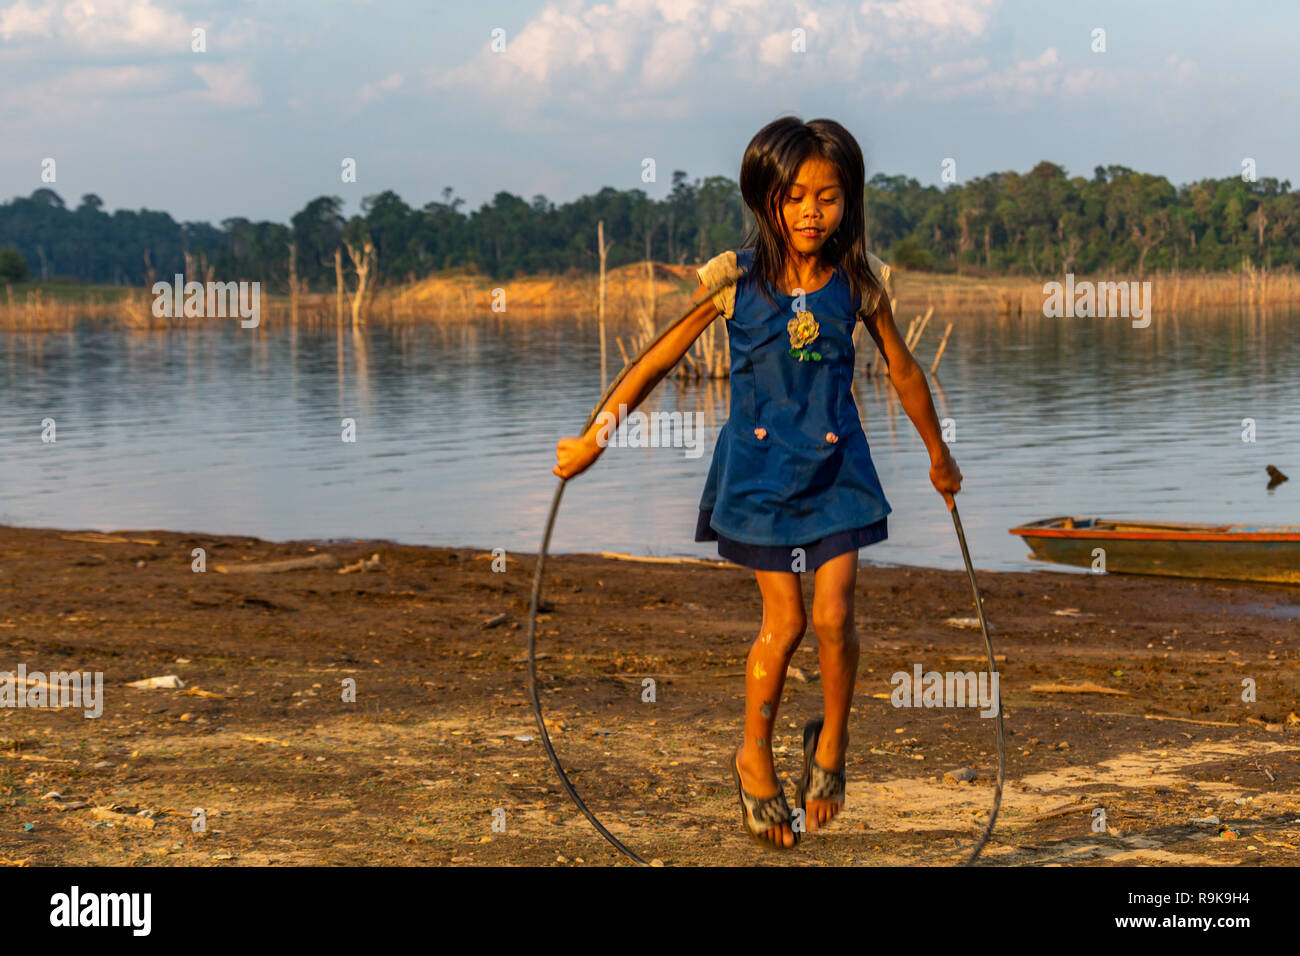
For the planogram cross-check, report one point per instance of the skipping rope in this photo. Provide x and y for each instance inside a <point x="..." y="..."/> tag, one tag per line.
<point x="535" y="600"/>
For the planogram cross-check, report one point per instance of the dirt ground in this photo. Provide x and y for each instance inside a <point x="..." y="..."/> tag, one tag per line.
<point x="440" y="735"/>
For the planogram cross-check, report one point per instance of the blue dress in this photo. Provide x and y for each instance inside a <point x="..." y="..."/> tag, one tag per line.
<point x="792" y="467"/>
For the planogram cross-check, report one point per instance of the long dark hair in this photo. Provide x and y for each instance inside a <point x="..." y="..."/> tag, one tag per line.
<point x="768" y="171"/>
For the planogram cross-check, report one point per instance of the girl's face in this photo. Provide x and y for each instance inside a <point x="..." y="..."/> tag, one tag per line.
<point x="813" y="207"/>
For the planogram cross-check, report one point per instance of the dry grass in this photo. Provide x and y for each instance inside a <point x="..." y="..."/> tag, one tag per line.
<point x="462" y="297"/>
<point x="1172" y="292"/>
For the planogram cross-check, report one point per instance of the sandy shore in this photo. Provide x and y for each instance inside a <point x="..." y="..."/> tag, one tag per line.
<point x="440" y="735"/>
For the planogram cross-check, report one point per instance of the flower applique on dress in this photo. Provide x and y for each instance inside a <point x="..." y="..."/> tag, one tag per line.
<point x="803" y="331"/>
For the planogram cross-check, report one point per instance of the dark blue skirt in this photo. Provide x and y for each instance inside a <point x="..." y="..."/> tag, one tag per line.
<point x="775" y="557"/>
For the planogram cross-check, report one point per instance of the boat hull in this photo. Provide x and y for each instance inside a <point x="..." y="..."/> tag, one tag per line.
<point x="1186" y="551"/>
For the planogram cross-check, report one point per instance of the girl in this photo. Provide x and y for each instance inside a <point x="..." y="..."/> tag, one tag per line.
<point x="792" y="486"/>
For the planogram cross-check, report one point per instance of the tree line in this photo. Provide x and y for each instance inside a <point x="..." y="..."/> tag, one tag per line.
<point x="1040" y="223"/>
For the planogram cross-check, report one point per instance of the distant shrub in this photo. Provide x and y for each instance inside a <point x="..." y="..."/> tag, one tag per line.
<point x="908" y="253"/>
<point x="13" y="267"/>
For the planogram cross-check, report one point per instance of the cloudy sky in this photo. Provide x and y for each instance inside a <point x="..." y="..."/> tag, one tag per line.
<point x="582" y="93"/>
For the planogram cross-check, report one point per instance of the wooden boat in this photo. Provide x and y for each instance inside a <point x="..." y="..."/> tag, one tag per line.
<point x="1235" y="552"/>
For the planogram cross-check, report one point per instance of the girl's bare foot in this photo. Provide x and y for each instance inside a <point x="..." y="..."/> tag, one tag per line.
<point x="758" y="777"/>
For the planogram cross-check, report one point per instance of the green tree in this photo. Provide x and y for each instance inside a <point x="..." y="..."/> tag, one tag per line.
<point x="13" y="267"/>
<point x="908" y="253"/>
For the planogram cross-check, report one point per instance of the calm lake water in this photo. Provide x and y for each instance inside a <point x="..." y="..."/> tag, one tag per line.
<point x="235" y="431"/>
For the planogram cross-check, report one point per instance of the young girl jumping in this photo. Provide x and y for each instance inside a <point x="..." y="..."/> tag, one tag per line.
<point x="792" y="487"/>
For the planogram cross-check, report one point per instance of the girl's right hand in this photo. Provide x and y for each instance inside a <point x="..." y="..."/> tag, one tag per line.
<point x="573" y="456"/>
<point x="945" y="476"/>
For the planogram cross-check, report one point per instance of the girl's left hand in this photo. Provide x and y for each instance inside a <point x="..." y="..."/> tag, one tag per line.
<point x="946" y="476"/>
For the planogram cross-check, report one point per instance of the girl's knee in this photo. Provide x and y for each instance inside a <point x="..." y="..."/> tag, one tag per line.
<point x="784" y="632"/>
<point x="833" y="623"/>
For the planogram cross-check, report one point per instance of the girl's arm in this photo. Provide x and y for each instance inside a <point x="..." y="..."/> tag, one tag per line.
<point x="914" y="393"/>
<point x="575" y="455"/>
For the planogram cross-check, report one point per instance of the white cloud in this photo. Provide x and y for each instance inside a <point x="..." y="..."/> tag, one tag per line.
<point x="652" y="58"/>
<point x="1045" y="59"/>
<point x="110" y="80"/>
<point x="948" y="71"/>
<point x="236" y="34"/>
<point x="1024" y="78"/>
<point x="76" y="95"/>
<point x="905" y="19"/>
<point x="96" y="34"/>
<point x="98" y="24"/>
<point x="26" y="19"/>
<point x="776" y="48"/>
<point x="228" y="85"/>
<point x="1182" y="70"/>
<point x="1111" y="80"/>
<point x="79" y="94"/>
<point x="670" y="59"/>
<point x="79" y="91"/>
<point x="370" y="92"/>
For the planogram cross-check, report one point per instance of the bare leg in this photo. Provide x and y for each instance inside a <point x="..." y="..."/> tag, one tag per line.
<point x="784" y="623"/>
<point x="837" y="647"/>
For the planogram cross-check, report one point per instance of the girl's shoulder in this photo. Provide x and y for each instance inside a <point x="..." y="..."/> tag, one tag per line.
<point x="880" y="271"/>
<point x="878" y="267"/>
<point x="721" y="274"/>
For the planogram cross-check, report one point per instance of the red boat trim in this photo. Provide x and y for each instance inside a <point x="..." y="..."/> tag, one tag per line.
<point x="1026" y="532"/>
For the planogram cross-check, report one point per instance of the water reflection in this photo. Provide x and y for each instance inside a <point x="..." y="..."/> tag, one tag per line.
<point x="230" y="430"/>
